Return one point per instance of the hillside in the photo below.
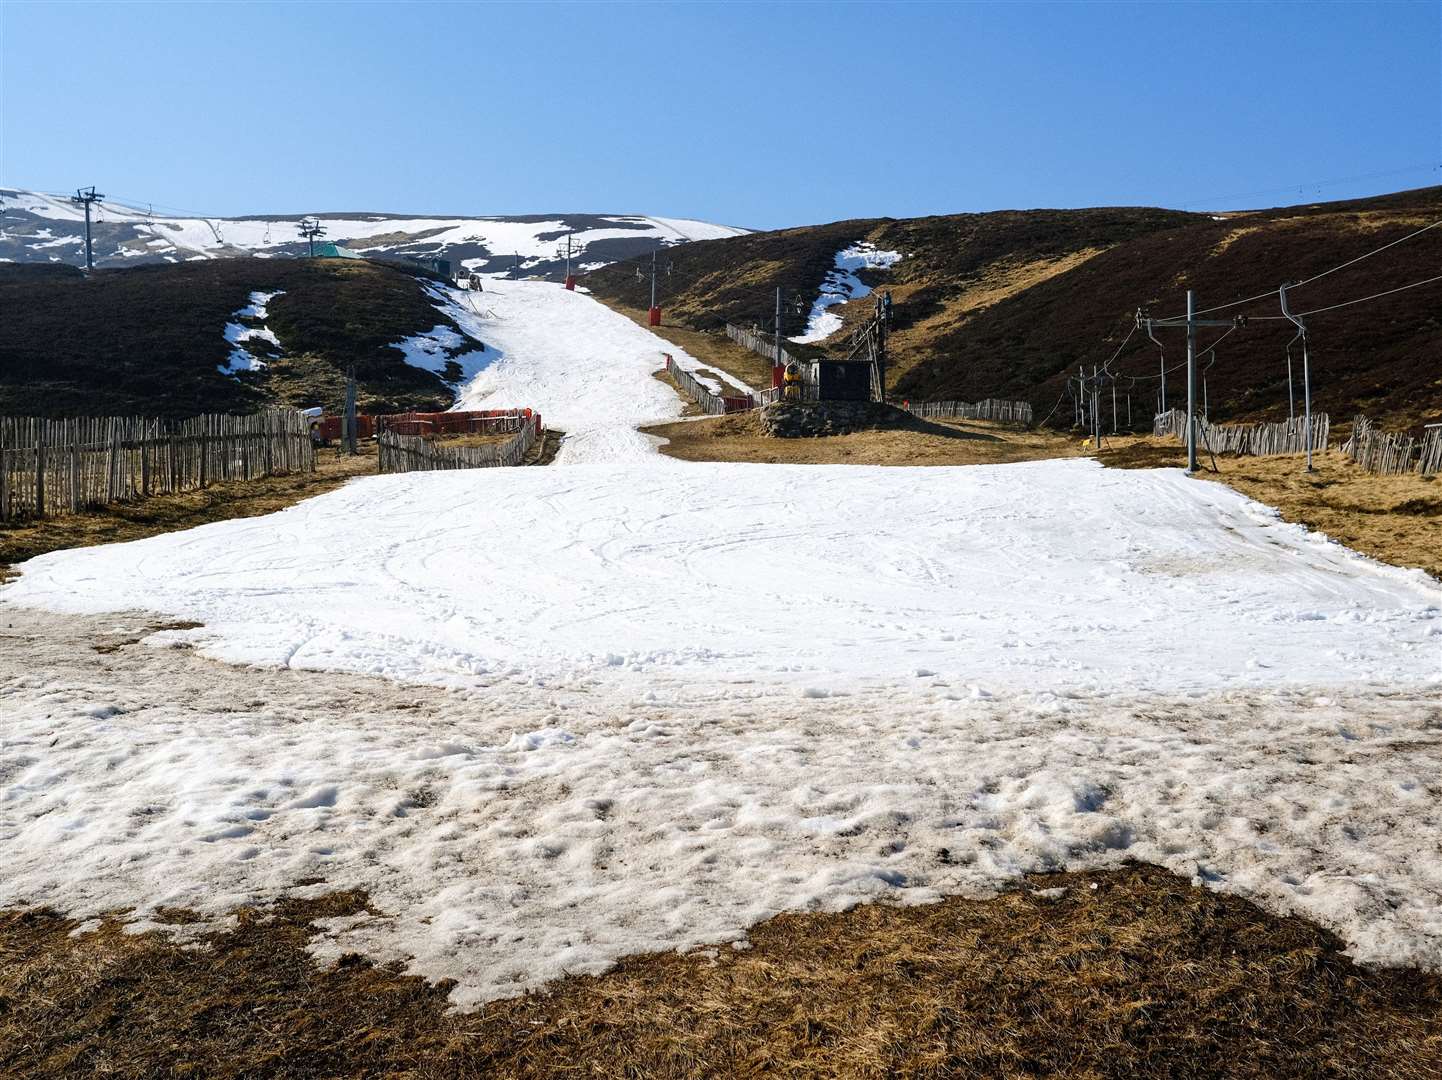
(154, 339)
(41, 227)
(1007, 304)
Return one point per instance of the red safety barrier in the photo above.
(778, 378)
(734, 403)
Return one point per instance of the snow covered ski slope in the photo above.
(1034, 580)
(651, 702)
(585, 367)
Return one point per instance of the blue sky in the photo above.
(762, 115)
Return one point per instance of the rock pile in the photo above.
(807, 419)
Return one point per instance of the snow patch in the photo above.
(241, 359)
(841, 285)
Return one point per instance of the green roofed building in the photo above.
(329, 250)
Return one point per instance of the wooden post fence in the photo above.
(50, 467)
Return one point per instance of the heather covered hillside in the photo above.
(223, 335)
(1008, 304)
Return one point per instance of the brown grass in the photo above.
(170, 513)
(1397, 519)
(917, 341)
(738, 437)
(219, 502)
(712, 348)
(1126, 973)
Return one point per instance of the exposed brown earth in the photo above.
(1124, 973)
(738, 437)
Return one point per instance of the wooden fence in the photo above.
(1247, 440)
(50, 467)
(757, 342)
(1014, 412)
(712, 403)
(412, 453)
(1387, 454)
(1430, 461)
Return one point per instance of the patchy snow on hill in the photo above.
(441, 347)
(841, 285)
(35, 223)
(242, 359)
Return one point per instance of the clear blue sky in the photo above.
(762, 115)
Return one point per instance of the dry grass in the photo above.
(219, 502)
(1397, 519)
(1126, 973)
(170, 513)
(738, 437)
(917, 341)
(712, 348)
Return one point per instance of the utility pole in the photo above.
(350, 417)
(653, 316)
(84, 197)
(310, 228)
(1296, 320)
(571, 278)
(778, 365)
(1096, 410)
(1191, 322)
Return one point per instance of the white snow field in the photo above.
(632, 704)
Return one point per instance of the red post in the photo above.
(571, 282)
(654, 316)
(778, 378)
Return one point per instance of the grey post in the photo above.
(778, 327)
(1096, 409)
(1191, 382)
(1306, 371)
(350, 417)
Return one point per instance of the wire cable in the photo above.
(1359, 258)
(1317, 277)
(1346, 303)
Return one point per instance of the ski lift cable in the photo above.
(1324, 273)
(1347, 303)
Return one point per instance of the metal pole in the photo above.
(1306, 371)
(89, 262)
(1307, 398)
(778, 327)
(1096, 411)
(1114, 408)
(1191, 383)
(350, 417)
(653, 281)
